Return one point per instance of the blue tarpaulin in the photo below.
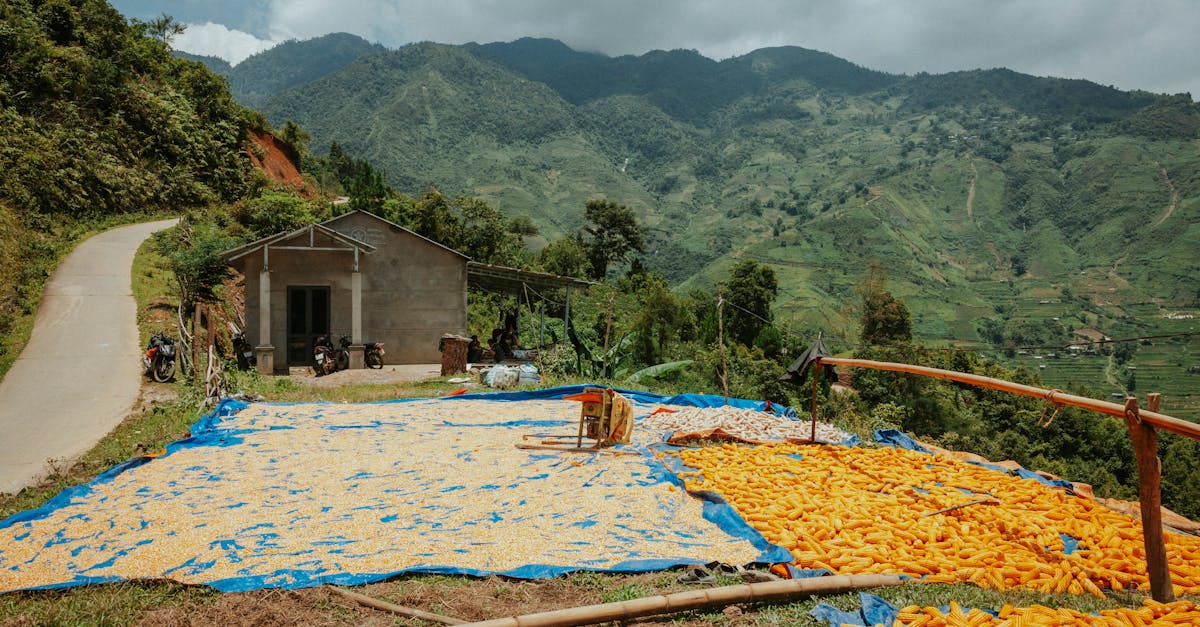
(892, 437)
(875, 611)
(267, 495)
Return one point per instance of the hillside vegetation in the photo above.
(997, 200)
(98, 124)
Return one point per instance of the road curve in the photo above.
(80, 373)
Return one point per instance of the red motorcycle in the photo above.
(159, 358)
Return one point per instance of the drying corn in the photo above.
(1151, 613)
(858, 510)
(289, 495)
(744, 424)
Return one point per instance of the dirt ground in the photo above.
(400, 373)
(458, 597)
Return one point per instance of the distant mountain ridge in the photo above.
(261, 75)
(976, 189)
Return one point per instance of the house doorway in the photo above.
(308, 317)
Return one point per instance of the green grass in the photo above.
(155, 291)
(121, 603)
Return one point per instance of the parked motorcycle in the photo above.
(244, 351)
(159, 358)
(373, 354)
(342, 357)
(323, 356)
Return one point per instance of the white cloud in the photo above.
(215, 40)
(375, 20)
(1145, 44)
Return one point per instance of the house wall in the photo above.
(413, 291)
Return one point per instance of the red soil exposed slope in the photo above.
(276, 161)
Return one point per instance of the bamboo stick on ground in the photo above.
(576, 449)
(694, 599)
(962, 505)
(413, 612)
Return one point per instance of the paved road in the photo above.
(80, 373)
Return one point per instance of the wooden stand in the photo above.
(1145, 449)
(593, 417)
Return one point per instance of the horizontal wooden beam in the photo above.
(1160, 421)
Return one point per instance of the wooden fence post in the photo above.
(1145, 450)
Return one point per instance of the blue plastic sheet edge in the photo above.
(207, 432)
(875, 611)
(204, 426)
(718, 511)
(690, 400)
(892, 437)
(307, 579)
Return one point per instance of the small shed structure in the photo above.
(357, 275)
(365, 277)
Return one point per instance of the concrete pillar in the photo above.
(264, 358)
(356, 314)
(264, 352)
(264, 307)
(357, 362)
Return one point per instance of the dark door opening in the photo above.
(308, 317)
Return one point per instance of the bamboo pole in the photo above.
(816, 373)
(694, 599)
(195, 348)
(721, 343)
(575, 449)
(960, 506)
(612, 298)
(1145, 450)
(413, 612)
(1155, 419)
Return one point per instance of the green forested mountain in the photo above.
(1007, 209)
(291, 63)
(216, 64)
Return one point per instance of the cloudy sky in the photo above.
(1131, 44)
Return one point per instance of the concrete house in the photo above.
(360, 275)
(357, 275)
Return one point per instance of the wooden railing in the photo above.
(1141, 424)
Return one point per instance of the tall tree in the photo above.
(368, 191)
(565, 256)
(658, 318)
(885, 318)
(484, 235)
(298, 139)
(165, 28)
(613, 233)
(751, 289)
(433, 218)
